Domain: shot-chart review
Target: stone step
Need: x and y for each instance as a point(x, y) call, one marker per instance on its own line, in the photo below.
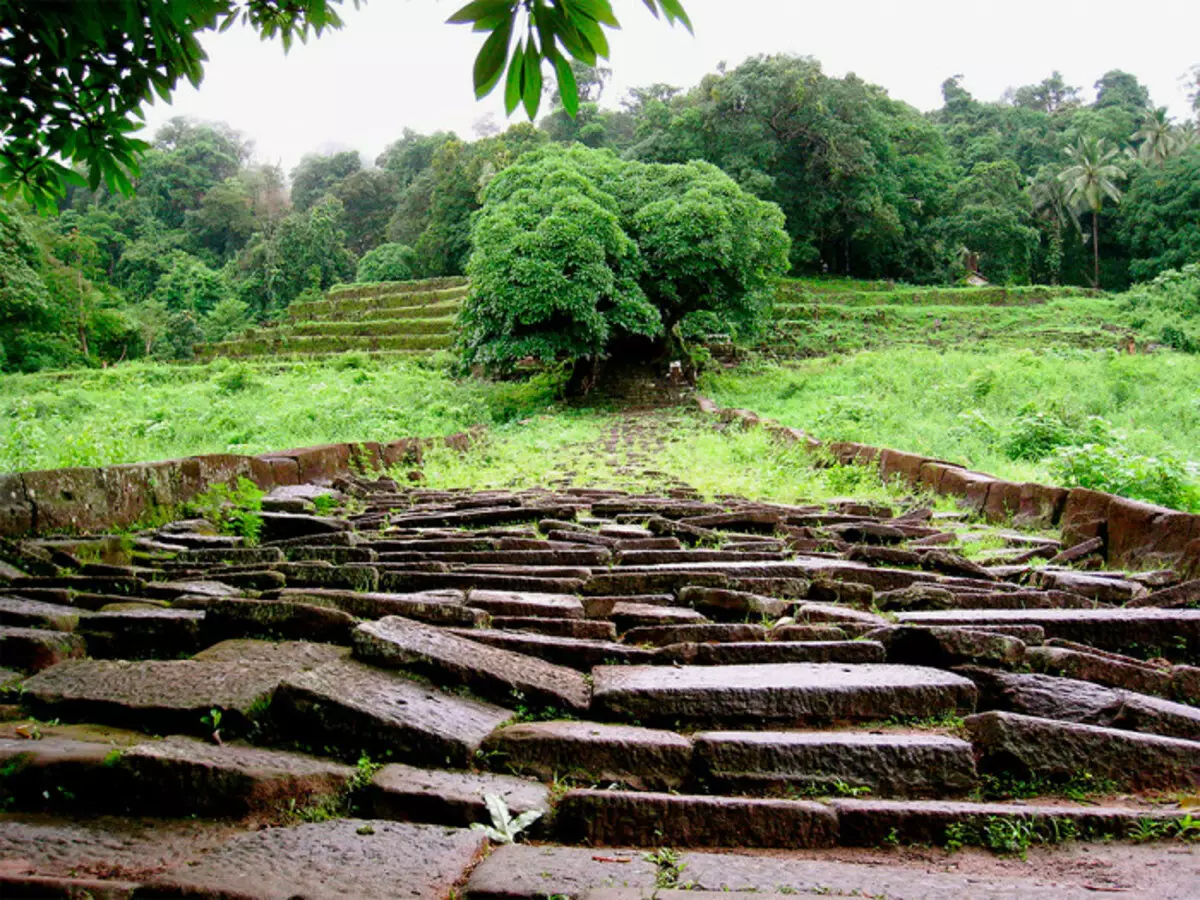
point(35, 649)
point(887, 764)
point(508, 603)
point(143, 633)
point(663, 635)
point(21, 613)
point(236, 678)
point(574, 653)
point(772, 652)
point(445, 607)
point(585, 629)
point(633, 616)
point(1148, 632)
point(640, 819)
point(240, 617)
point(797, 692)
point(369, 859)
point(456, 799)
point(347, 708)
point(592, 753)
point(415, 582)
point(1026, 745)
point(1068, 700)
point(181, 776)
point(489, 672)
point(872, 823)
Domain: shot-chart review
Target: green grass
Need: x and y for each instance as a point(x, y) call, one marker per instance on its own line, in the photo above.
point(140, 412)
point(968, 407)
point(569, 448)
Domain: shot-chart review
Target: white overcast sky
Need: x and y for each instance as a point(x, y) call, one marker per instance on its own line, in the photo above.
point(396, 64)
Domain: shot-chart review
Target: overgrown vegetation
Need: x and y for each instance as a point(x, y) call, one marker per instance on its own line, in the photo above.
point(150, 411)
point(1127, 424)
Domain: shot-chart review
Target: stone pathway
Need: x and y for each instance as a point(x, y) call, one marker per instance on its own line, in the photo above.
point(714, 696)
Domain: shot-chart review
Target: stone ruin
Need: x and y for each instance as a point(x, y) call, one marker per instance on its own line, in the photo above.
point(655, 688)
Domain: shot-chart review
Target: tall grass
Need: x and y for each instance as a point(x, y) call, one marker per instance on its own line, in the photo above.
point(140, 412)
point(980, 409)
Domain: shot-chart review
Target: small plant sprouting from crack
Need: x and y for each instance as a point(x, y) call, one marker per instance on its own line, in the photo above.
point(505, 828)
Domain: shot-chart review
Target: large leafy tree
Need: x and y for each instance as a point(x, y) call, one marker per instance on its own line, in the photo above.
point(1160, 216)
point(577, 253)
point(1091, 178)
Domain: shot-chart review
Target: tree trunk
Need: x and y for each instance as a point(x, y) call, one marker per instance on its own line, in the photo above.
point(1096, 249)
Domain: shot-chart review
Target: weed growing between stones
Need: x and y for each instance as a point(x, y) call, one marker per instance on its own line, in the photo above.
point(233, 510)
point(333, 806)
point(669, 868)
point(505, 827)
point(1078, 786)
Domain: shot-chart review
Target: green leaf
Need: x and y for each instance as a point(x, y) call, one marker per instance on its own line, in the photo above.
point(597, 10)
point(489, 64)
point(568, 89)
point(479, 9)
point(593, 34)
point(533, 81)
point(514, 86)
point(675, 12)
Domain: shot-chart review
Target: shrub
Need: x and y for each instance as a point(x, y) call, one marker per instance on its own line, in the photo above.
point(1167, 309)
point(387, 262)
point(1164, 480)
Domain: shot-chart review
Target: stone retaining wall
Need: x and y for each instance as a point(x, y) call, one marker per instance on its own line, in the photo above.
point(100, 499)
point(1136, 535)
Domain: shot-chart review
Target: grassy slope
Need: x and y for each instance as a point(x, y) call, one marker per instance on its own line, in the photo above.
point(961, 405)
point(140, 412)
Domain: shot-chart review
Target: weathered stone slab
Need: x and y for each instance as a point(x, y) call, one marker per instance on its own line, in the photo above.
point(796, 692)
point(868, 823)
point(488, 671)
point(574, 653)
point(142, 633)
point(1024, 744)
point(408, 794)
point(630, 616)
point(526, 872)
point(811, 632)
point(435, 607)
point(1178, 597)
point(1099, 669)
point(21, 613)
point(583, 629)
point(946, 647)
point(344, 858)
point(630, 818)
point(1140, 632)
point(906, 765)
point(625, 583)
point(354, 707)
point(662, 635)
point(764, 652)
point(1096, 587)
point(723, 604)
point(173, 696)
point(640, 757)
point(415, 582)
point(1069, 700)
point(237, 617)
point(183, 776)
point(509, 603)
point(34, 649)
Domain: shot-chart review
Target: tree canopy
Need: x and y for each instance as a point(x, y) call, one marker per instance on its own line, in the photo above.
point(576, 250)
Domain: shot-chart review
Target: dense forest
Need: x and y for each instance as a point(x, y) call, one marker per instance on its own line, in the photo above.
point(1038, 186)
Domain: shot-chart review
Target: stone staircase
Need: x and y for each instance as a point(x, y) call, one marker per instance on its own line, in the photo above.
point(402, 317)
point(328, 713)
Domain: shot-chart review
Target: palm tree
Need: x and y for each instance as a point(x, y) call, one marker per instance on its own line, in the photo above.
point(1092, 176)
point(1051, 201)
point(1158, 137)
point(1186, 137)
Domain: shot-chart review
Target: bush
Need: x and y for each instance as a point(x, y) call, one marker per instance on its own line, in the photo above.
point(1164, 480)
point(387, 262)
point(1167, 310)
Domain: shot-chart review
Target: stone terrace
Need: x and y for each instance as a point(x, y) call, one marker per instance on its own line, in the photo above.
point(717, 695)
